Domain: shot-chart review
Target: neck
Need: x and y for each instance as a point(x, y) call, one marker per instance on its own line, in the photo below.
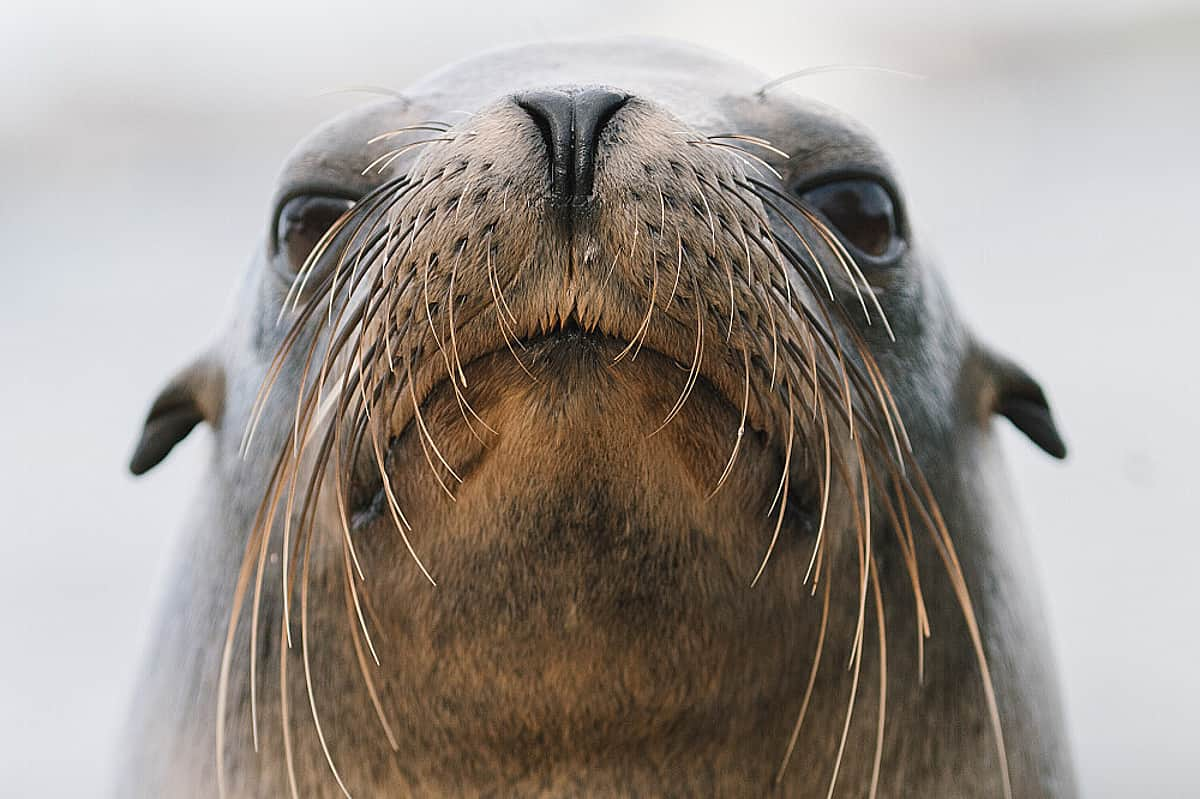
point(524, 679)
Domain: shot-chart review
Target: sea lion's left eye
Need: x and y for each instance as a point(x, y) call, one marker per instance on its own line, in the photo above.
point(303, 221)
point(862, 213)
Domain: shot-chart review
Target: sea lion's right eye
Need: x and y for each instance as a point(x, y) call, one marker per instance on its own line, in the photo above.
point(863, 214)
point(303, 221)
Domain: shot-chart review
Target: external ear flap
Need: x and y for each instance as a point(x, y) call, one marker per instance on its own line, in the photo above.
point(1021, 400)
point(194, 395)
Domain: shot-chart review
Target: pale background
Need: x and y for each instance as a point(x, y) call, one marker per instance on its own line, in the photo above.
point(1050, 154)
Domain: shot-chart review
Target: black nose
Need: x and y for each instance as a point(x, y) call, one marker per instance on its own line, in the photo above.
point(571, 122)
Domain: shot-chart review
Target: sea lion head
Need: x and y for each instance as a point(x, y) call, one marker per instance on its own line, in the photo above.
point(576, 396)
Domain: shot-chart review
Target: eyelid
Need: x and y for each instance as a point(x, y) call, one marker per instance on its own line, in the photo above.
point(826, 177)
point(829, 177)
point(333, 206)
point(310, 193)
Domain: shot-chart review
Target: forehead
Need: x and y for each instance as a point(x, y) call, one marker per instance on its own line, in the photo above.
point(707, 92)
point(684, 79)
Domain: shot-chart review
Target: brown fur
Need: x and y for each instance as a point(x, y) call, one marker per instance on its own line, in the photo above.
point(464, 390)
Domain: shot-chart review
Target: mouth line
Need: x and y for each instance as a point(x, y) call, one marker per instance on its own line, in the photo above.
point(371, 504)
point(529, 347)
point(531, 351)
point(568, 328)
point(534, 346)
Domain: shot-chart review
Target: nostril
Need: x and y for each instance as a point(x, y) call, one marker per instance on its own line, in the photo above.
point(594, 109)
point(540, 115)
point(554, 114)
point(570, 124)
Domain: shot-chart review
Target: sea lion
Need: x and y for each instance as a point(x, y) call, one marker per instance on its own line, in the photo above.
point(592, 423)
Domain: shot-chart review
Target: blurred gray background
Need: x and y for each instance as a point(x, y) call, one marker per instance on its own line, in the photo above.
point(1049, 155)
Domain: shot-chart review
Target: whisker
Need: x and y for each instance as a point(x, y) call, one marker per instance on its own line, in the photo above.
point(694, 370)
point(741, 430)
point(781, 494)
point(748, 158)
point(808, 690)
point(386, 160)
point(308, 682)
point(883, 670)
point(432, 126)
point(822, 68)
point(755, 140)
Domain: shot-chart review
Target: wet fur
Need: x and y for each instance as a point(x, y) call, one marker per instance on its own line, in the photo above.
point(593, 629)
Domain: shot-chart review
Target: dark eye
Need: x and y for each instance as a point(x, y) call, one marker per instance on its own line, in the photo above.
point(302, 223)
point(861, 211)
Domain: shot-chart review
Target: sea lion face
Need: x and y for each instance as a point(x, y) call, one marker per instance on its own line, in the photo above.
point(579, 332)
point(594, 338)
